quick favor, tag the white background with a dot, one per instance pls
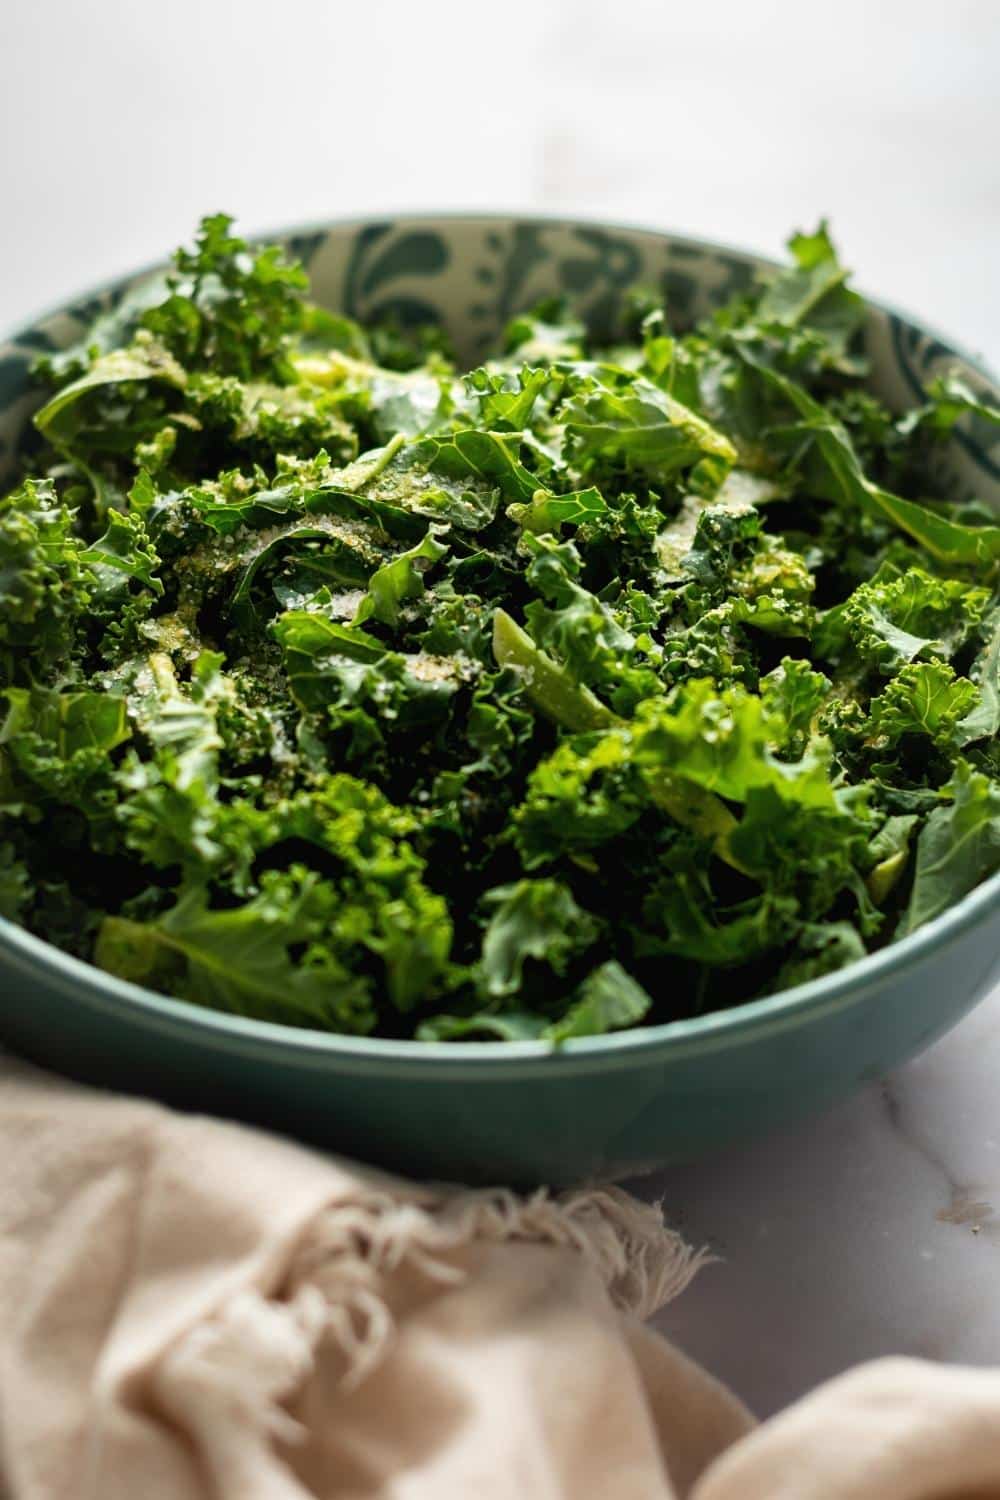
(122, 121)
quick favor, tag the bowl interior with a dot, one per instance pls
(472, 273)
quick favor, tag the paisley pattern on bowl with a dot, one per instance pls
(472, 273)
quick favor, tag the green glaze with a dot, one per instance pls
(521, 1112)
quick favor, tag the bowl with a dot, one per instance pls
(599, 1107)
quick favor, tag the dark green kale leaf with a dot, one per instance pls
(813, 294)
(231, 309)
(15, 884)
(958, 847)
(900, 616)
(238, 958)
(926, 698)
(533, 920)
(947, 541)
(634, 422)
(46, 582)
(794, 693)
(609, 999)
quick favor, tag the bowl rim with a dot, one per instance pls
(780, 1011)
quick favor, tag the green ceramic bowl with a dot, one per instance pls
(598, 1107)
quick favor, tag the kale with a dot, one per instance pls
(595, 686)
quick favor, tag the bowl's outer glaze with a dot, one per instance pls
(601, 1107)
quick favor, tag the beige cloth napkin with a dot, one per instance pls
(191, 1310)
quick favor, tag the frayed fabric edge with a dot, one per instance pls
(352, 1244)
(225, 1380)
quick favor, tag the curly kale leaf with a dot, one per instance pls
(983, 719)
(399, 580)
(55, 750)
(231, 309)
(793, 693)
(123, 552)
(926, 698)
(957, 848)
(951, 398)
(314, 946)
(948, 541)
(813, 294)
(582, 632)
(725, 742)
(547, 512)
(15, 885)
(898, 617)
(584, 794)
(46, 582)
(609, 999)
(505, 401)
(635, 423)
(239, 958)
(820, 948)
(533, 920)
(70, 420)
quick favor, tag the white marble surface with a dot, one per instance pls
(873, 1229)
